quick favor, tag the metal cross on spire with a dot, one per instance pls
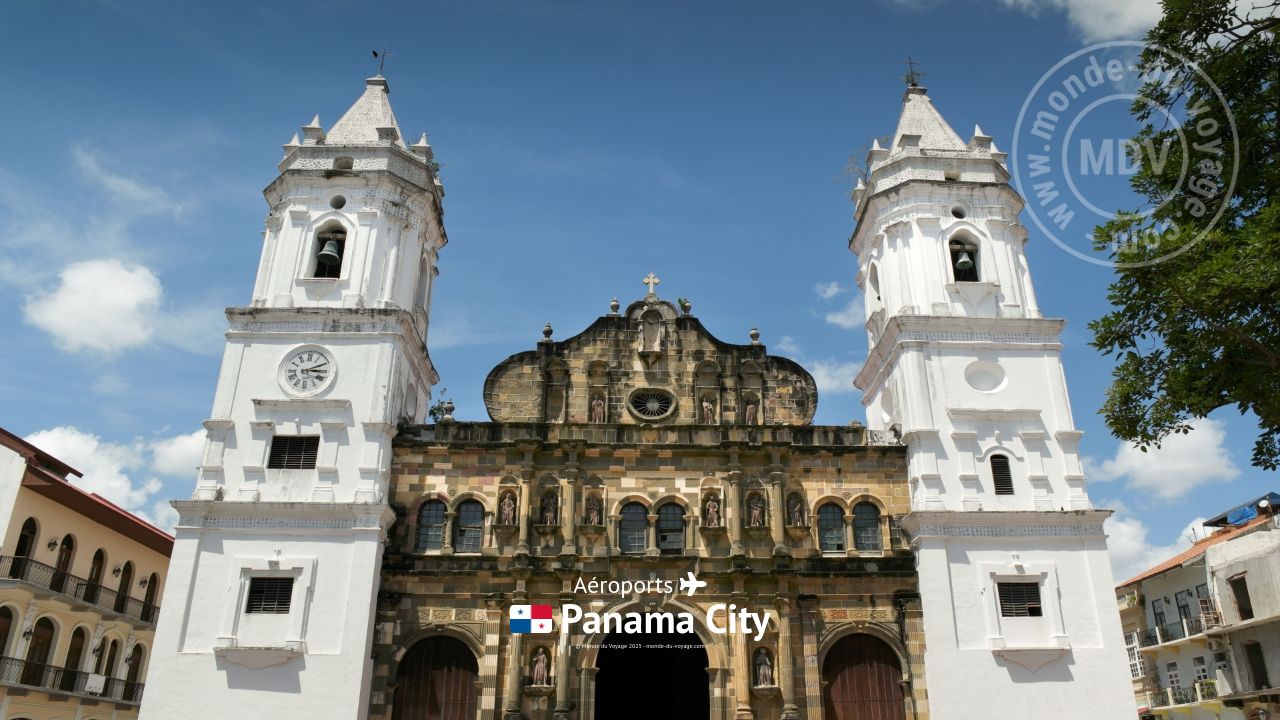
(651, 280)
(913, 75)
(381, 57)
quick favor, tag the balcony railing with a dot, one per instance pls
(1180, 629)
(1200, 691)
(64, 583)
(61, 680)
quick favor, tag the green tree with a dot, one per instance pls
(1200, 330)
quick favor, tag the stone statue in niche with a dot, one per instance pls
(597, 409)
(549, 514)
(749, 413)
(593, 510)
(708, 412)
(711, 512)
(795, 508)
(756, 518)
(541, 668)
(764, 669)
(654, 334)
(507, 510)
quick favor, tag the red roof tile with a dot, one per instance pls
(1196, 550)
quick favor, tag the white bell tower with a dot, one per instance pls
(274, 575)
(1015, 580)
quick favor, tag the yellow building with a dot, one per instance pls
(79, 583)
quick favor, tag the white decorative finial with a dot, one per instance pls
(315, 121)
(875, 144)
(977, 130)
(651, 280)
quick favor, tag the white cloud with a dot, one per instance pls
(850, 317)
(1131, 551)
(787, 345)
(1180, 464)
(118, 471)
(833, 377)
(149, 198)
(178, 455)
(1098, 20)
(98, 305)
(828, 290)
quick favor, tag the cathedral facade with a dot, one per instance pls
(649, 524)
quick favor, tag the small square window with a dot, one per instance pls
(271, 595)
(293, 452)
(1019, 599)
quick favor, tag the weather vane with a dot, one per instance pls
(913, 75)
(381, 57)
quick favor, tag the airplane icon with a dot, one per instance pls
(691, 583)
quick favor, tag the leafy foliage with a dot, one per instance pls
(1199, 330)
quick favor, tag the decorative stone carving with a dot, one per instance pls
(550, 508)
(597, 409)
(711, 512)
(653, 332)
(763, 669)
(708, 412)
(541, 669)
(507, 509)
(795, 510)
(594, 510)
(750, 412)
(755, 515)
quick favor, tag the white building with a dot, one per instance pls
(1015, 579)
(269, 608)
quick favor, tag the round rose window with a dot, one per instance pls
(651, 404)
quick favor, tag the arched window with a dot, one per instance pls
(75, 656)
(149, 601)
(964, 259)
(831, 528)
(430, 526)
(122, 594)
(134, 661)
(95, 576)
(1001, 476)
(330, 243)
(62, 566)
(22, 551)
(38, 653)
(6, 624)
(866, 526)
(633, 529)
(468, 527)
(671, 529)
(873, 281)
(106, 664)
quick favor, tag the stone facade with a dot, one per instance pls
(570, 482)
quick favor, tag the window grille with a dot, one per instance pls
(269, 595)
(294, 452)
(866, 526)
(831, 528)
(1019, 599)
(1137, 666)
(671, 529)
(468, 527)
(633, 528)
(1001, 476)
(430, 526)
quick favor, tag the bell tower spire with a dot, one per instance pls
(965, 371)
(328, 358)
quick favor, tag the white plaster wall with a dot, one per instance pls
(968, 681)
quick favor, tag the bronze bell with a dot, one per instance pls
(964, 262)
(329, 255)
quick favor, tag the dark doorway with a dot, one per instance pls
(26, 544)
(861, 680)
(645, 676)
(33, 672)
(1257, 666)
(95, 576)
(122, 596)
(62, 567)
(75, 656)
(436, 681)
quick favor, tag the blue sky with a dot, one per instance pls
(583, 145)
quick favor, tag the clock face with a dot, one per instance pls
(307, 371)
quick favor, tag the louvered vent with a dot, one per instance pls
(1000, 475)
(293, 452)
(1019, 599)
(269, 595)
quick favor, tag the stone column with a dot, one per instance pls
(522, 514)
(786, 674)
(587, 693)
(569, 512)
(446, 542)
(731, 512)
(515, 663)
(562, 676)
(779, 512)
(652, 547)
(849, 548)
(741, 670)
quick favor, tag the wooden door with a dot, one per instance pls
(437, 681)
(862, 680)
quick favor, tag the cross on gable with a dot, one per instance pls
(651, 280)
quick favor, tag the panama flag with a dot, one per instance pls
(530, 619)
